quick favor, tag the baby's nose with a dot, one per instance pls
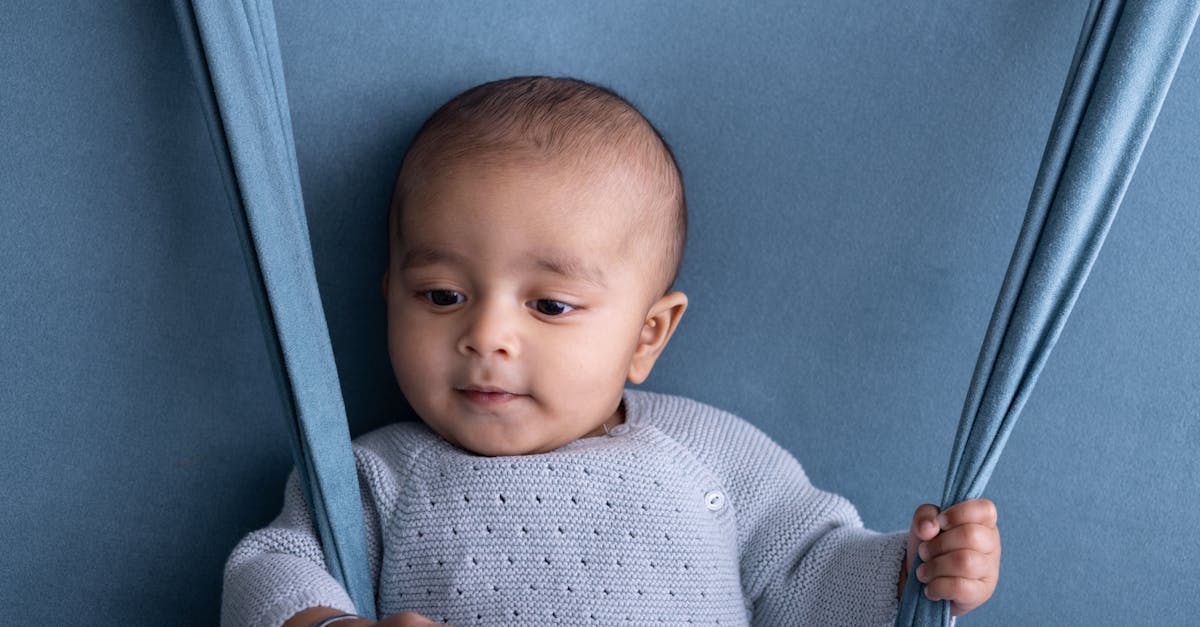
(491, 331)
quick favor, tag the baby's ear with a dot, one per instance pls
(660, 324)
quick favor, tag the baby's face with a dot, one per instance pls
(519, 303)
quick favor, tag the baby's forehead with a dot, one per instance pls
(610, 193)
(570, 124)
(564, 217)
(631, 187)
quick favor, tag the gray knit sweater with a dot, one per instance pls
(683, 515)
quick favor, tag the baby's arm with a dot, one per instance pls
(960, 553)
(278, 571)
(805, 557)
(810, 561)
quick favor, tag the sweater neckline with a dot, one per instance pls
(630, 401)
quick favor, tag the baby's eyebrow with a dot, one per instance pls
(570, 267)
(423, 256)
(562, 264)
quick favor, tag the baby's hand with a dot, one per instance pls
(960, 553)
(405, 619)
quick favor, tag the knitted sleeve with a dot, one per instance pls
(805, 557)
(279, 570)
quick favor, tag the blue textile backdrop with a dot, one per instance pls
(857, 174)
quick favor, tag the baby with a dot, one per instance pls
(535, 233)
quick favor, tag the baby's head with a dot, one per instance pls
(535, 232)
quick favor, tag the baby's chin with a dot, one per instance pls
(493, 448)
(503, 441)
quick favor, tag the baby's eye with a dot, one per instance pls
(549, 307)
(443, 298)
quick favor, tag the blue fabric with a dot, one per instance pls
(856, 173)
(1123, 65)
(234, 52)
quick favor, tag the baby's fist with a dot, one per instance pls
(960, 553)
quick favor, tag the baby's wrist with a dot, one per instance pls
(322, 616)
(344, 620)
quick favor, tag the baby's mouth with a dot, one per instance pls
(488, 396)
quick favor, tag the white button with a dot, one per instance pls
(620, 429)
(715, 500)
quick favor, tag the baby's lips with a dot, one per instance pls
(490, 398)
(490, 388)
(487, 389)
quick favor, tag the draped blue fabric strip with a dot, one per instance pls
(234, 53)
(1122, 68)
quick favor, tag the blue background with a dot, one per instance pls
(857, 173)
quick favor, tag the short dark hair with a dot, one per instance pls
(558, 116)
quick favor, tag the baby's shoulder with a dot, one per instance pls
(393, 447)
(719, 438)
(692, 421)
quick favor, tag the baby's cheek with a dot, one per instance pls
(595, 358)
(613, 358)
(415, 358)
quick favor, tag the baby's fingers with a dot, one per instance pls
(974, 511)
(963, 564)
(965, 578)
(406, 619)
(973, 537)
(964, 594)
(924, 522)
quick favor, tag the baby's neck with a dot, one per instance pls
(617, 418)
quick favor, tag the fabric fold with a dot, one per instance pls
(1122, 68)
(233, 50)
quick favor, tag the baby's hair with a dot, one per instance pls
(556, 118)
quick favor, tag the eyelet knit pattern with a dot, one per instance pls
(690, 516)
